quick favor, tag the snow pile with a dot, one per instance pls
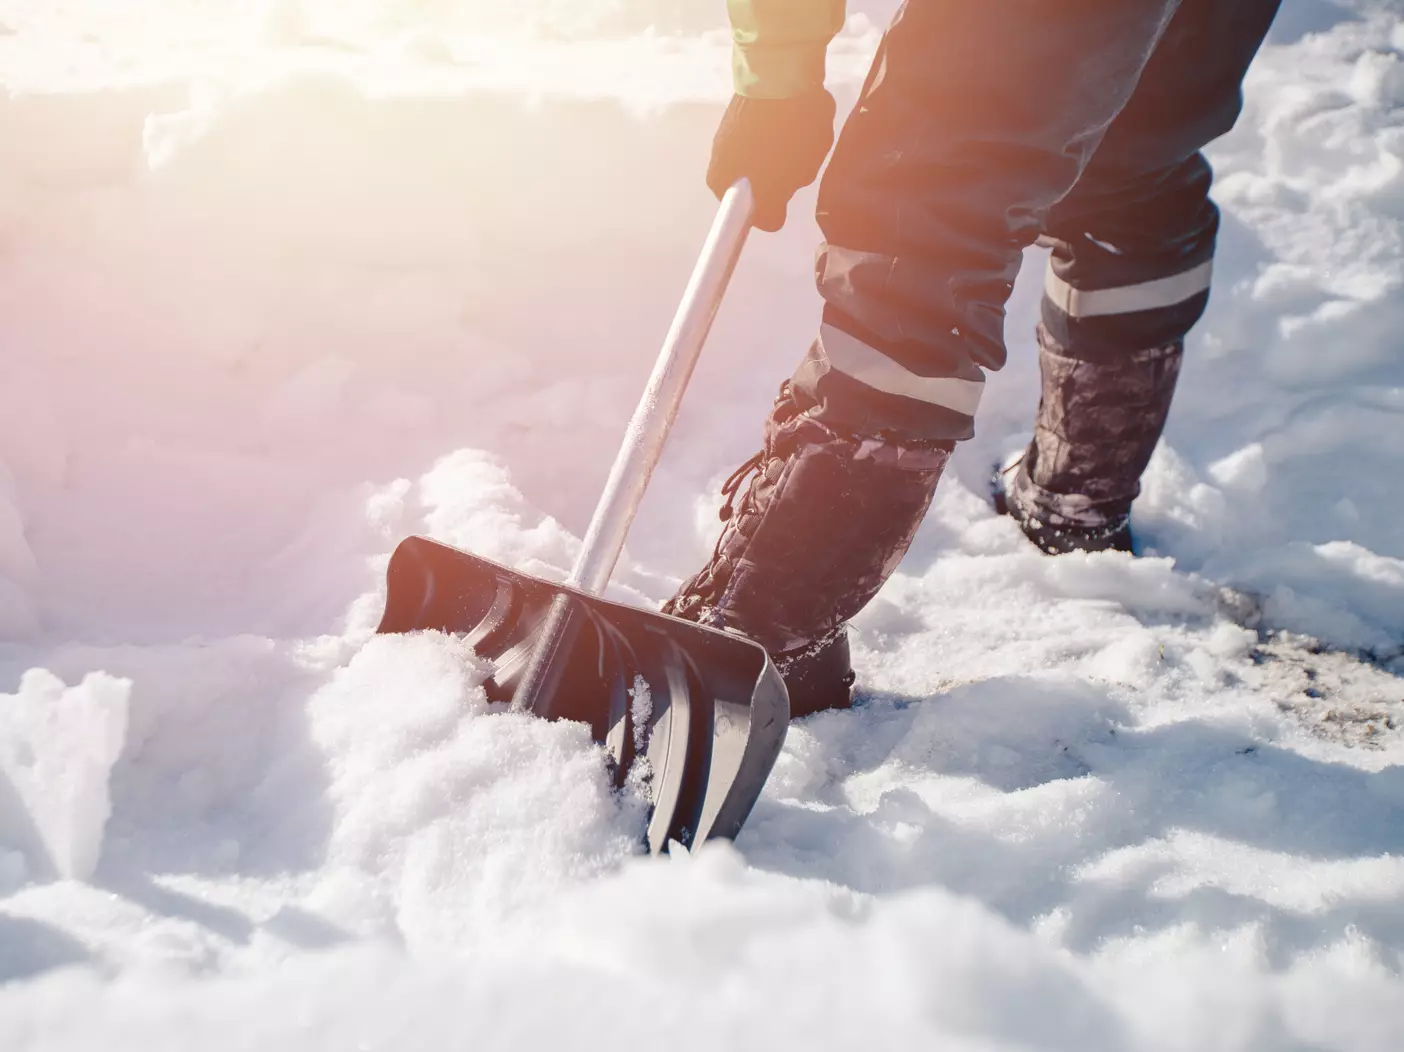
(443, 820)
(57, 748)
(281, 290)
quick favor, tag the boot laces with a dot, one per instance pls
(732, 485)
(1014, 464)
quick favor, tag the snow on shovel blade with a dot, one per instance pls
(698, 715)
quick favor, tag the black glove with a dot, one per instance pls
(778, 144)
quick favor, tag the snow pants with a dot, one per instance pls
(983, 126)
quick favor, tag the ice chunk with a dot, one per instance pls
(1244, 470)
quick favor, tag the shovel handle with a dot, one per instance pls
(658, 408)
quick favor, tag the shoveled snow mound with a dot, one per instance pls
(57, 748)
(279, 290)
(442, 819)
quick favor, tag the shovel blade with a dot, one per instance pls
(697, 716)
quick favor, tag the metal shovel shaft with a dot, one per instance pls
(716, 708)
(657, 409)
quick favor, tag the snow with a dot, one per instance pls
(282, 283)
(640, 710)
(56, 755)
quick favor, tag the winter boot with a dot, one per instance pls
(824, 521)
(1098, 423)
(1051, 532)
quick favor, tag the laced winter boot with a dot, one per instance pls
(1098, 423)
(824, 520)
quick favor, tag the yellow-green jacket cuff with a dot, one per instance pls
(780, 44)
(777, 71)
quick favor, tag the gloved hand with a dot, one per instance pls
(778, 144)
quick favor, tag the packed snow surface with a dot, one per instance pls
(282, 283)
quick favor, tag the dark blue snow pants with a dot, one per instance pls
(985, 125)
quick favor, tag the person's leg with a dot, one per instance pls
(1133, 244)
(976, 118)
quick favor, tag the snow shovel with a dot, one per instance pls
(693, 716)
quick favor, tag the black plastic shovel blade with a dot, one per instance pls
(697, 715)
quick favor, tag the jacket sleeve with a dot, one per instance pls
(780, 44)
